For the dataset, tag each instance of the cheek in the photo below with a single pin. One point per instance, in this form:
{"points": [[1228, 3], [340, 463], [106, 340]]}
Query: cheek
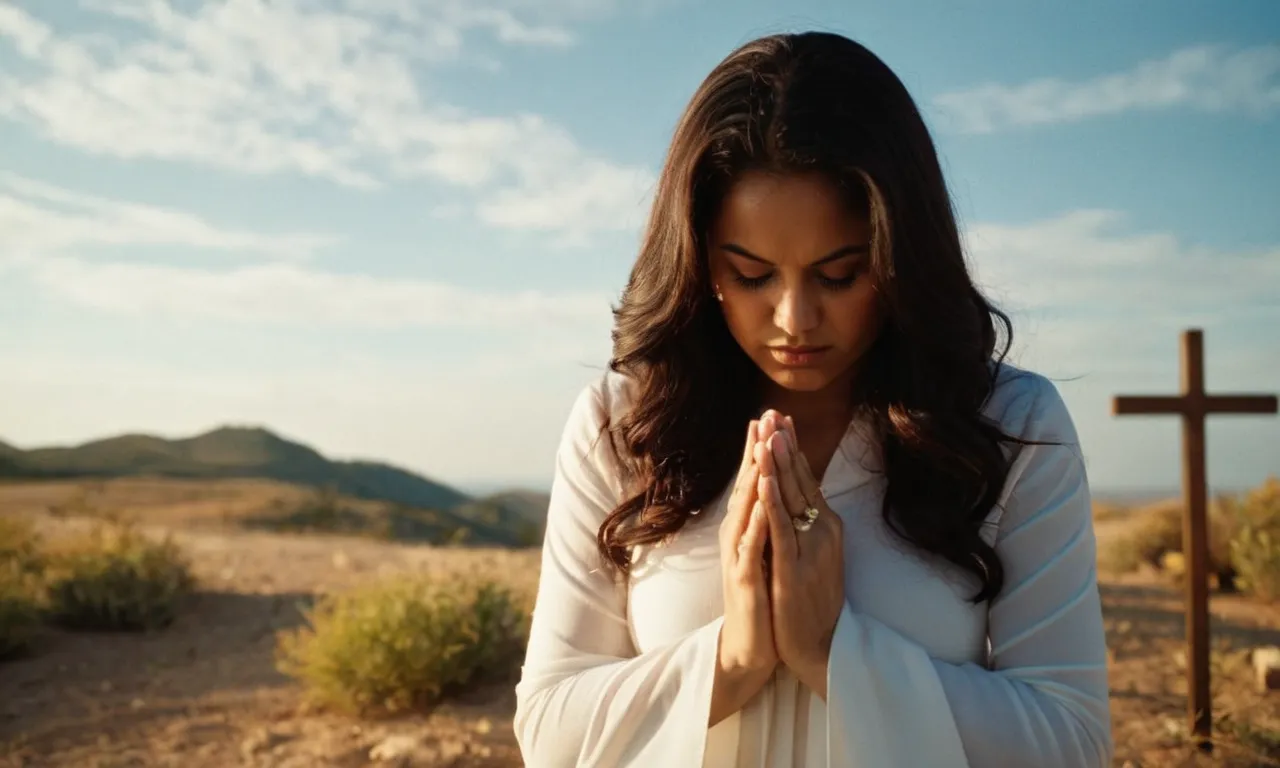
{"points": [[855, 318], [745, 313]]}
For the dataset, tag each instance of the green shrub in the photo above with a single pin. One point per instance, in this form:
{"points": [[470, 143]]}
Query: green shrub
{"points": [[117, 579], [20, 545], [21, 606], [1255, 549], [406, 643], [21, 609], [1158, 533]]}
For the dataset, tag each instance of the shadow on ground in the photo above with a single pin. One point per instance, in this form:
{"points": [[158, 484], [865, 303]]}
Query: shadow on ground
{"points": [[78, 683], [1159, 612]]}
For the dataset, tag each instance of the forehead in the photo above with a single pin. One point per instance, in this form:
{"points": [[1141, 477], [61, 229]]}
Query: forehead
{"points": [[785, 217]]}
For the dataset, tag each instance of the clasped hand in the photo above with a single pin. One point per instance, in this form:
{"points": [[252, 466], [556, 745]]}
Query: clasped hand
{"points": [[781, 602]]}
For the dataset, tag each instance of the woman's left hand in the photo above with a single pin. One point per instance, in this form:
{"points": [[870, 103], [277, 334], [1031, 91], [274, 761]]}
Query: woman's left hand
{"points": [[807, 574]]}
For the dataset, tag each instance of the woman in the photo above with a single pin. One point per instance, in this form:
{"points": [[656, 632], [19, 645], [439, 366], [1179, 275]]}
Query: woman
{"points": [[810, 517]]}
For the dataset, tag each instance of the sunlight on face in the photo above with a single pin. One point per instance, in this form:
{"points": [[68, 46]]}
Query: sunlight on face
{"points": [[791, 260]]}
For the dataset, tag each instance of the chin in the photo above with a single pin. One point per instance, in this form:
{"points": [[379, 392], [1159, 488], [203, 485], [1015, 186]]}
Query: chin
{"points": [[800, 379]]}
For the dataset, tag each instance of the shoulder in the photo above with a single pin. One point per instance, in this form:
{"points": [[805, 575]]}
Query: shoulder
{"points": [[585, 443], [602, 400], [1028, 405]]}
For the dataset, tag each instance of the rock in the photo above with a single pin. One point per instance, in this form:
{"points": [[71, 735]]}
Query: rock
{"points": [[394, 749], [262, 740], [1266, 668], [452, 749]]}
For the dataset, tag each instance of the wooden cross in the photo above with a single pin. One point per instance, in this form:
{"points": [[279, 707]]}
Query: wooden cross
{"points": [[1193, 405]]}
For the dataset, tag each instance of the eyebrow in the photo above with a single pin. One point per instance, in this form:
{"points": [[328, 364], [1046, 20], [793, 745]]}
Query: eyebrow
{"points": [[839, 253]]}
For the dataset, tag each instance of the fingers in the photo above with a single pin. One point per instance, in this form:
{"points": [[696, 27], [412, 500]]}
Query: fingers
{"points": [[781, 532], [751, 546], [744, 499], [764, 458], [748, 449], [788, 474], [744, 487], [808, 484]]}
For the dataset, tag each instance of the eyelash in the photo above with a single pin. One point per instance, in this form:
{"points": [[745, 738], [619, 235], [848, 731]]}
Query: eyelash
{"points": [[752, 283]]}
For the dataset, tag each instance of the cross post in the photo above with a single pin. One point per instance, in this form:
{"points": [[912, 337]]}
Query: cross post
{"points": [[1193, 405]]}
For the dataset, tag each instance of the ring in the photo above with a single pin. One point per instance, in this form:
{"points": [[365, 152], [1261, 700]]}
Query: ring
{"points": [[805, 522]]}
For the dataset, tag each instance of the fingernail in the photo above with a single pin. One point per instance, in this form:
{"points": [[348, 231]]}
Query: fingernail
{"points": [[784, 450]]}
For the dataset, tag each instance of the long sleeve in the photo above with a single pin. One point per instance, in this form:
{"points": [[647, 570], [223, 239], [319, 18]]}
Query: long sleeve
{"points": [[585, 697], [1043, 698]]}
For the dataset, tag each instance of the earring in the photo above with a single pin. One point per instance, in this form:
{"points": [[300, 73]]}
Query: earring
{"points": [[719, 295]]}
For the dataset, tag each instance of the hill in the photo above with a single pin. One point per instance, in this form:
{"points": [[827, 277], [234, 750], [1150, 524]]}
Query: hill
{"points": [[226, 453]]}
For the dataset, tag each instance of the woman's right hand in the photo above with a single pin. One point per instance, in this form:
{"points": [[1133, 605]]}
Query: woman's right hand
{"points": [[747, 655]]}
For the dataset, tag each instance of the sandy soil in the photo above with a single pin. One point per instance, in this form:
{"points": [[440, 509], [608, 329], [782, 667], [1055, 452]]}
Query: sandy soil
{"points": [[205, 692]]}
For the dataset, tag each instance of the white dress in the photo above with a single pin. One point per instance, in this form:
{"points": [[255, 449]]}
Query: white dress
{"points": [[918, 677]]}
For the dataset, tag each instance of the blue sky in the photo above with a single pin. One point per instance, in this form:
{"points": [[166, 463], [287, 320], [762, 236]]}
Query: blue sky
{"points": [[392, 229]]}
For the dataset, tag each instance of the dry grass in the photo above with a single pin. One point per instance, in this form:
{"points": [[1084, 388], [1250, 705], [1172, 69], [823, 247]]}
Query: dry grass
{"points": [[206, 691]]}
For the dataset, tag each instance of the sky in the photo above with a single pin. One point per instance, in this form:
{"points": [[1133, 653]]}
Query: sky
{"points": [[393, 229]]}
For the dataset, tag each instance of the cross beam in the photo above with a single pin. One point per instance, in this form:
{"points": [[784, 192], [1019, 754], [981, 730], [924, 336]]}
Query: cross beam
{"points": [[1194, 405]]}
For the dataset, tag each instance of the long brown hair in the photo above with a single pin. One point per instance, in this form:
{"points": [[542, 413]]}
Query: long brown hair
{"points": [[804, 103]]}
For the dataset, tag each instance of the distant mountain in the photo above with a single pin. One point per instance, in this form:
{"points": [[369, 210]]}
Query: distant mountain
{"points": [[524, 512], [230, 452]]}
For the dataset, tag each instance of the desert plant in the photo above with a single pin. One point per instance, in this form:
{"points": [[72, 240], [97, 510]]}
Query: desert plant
{"points": [[21, 562], [405, 643], [21, 613], [1255, 549], [115, 578], [20, 545], [1158, 533]]}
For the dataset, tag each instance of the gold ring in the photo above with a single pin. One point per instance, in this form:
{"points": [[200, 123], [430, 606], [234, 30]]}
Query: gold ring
{"points": [[805, 522]]}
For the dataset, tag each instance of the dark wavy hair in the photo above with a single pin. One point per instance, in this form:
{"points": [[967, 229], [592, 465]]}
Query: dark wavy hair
{"points": [[801, 103]]}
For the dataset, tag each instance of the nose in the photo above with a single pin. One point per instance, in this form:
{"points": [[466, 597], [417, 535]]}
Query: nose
{"points": [[797, 312]]}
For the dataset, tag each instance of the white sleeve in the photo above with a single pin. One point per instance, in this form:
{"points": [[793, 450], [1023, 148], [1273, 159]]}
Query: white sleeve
{"points": [[1043, 700], [585, 698]]}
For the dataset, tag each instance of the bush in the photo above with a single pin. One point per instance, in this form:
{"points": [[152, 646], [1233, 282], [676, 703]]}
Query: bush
{"points": [[21, 606], [20, 545], [1255, 549], [1159, 533], [117, 579], [21, 614], [406, 643]]}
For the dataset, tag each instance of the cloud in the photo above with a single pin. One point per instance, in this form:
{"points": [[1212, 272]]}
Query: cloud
{"points": [[50, 236], [1083, 261], [1204, 78], [291, 295], [1088, 294], [332, 91], [38, 218]]}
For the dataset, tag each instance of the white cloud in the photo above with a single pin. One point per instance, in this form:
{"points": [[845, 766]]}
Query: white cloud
{"points": [[48, 236], [291, 295], [38, 218], [325, 90], [1080, 261], [1206, 78]]}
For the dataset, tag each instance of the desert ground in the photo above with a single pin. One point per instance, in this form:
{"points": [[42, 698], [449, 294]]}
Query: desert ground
{"points": [[205, 693]]}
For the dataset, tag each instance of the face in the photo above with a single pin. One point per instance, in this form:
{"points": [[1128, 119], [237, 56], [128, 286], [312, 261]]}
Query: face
{"points": [[792, 262]]}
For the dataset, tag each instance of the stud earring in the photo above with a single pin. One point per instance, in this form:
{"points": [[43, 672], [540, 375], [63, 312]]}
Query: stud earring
{"points": [[719, 295]]}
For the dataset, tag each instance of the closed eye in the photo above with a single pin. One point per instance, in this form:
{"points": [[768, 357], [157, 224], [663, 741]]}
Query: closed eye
{"points": [[844, 278]]}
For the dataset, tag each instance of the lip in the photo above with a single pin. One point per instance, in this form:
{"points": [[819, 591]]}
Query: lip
{"points": [[798, 356]]}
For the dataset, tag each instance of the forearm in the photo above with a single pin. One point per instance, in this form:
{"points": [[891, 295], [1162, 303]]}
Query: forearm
{"points": [[732, 687]]}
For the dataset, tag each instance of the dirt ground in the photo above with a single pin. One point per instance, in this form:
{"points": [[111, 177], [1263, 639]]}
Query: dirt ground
{"points": [[204, 693]]}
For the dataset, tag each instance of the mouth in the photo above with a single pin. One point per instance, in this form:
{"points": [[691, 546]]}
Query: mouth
{"points": [[798, 356]]}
